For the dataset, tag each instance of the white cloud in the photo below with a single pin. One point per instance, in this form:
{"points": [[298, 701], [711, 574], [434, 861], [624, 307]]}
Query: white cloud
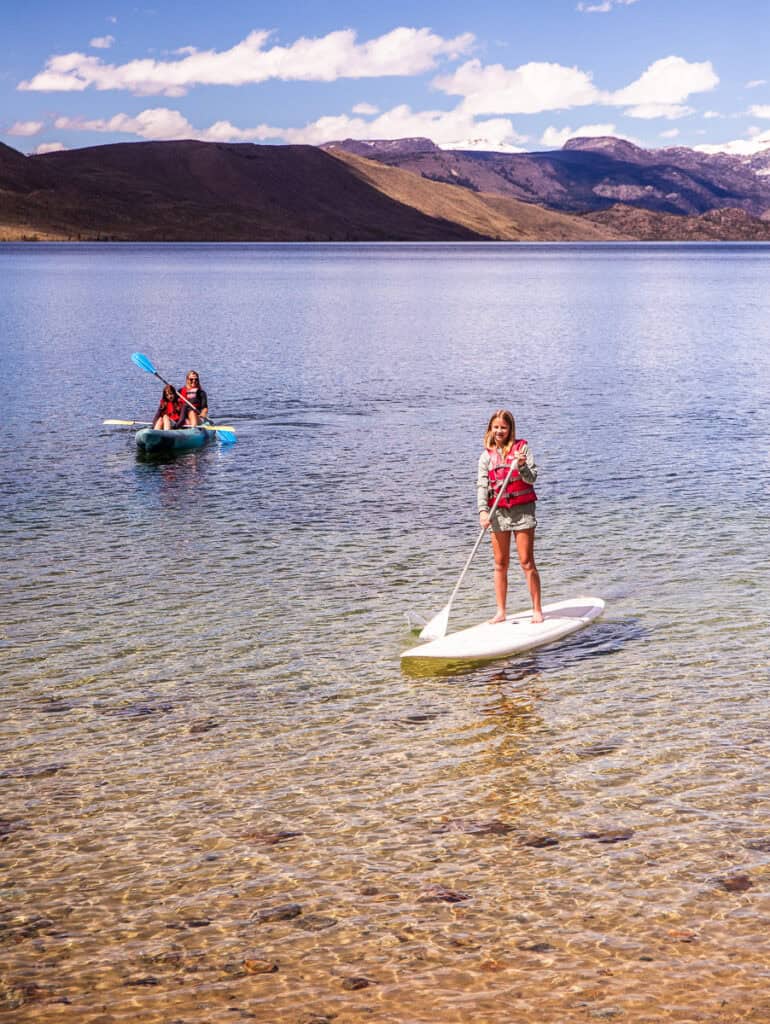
{"points": [[102, 42], [528, 89], [672, 133], [756, 83], [366, 109], [403, 51], [762, 112], [664, 86], [50, 147], [709, 115], [603, 7], [159, 123], [649, 111], [26, 128], [536, 87], [759, 141], [450, 129], [555, 138], [455, 128]]}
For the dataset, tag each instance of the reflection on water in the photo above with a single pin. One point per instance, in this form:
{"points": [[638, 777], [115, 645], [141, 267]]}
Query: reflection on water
{"points": [[223, 797]]}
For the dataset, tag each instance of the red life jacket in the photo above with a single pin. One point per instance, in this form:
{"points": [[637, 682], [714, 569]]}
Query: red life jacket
{"points": [[170, 407], [193, 396], [517, 491]]}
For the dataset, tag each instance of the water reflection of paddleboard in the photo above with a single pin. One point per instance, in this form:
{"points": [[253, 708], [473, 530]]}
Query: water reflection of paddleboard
{"points": [[496, 640]]}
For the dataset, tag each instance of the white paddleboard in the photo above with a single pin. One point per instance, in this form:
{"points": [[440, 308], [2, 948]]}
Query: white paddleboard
{"points": [[516, 634]]}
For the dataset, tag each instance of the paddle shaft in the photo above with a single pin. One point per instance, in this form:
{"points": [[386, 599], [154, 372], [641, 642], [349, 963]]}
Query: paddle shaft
{"points": [[144, 423]]}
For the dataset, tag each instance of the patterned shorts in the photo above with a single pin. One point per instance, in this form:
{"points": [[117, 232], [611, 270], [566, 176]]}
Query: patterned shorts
{"points": [[520, 517]]}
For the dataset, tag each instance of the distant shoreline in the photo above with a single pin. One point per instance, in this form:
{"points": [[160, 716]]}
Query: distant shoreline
{"points": [[191, 191]]}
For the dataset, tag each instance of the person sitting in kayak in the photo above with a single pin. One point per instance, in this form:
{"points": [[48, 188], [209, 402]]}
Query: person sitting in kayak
{"points": [[198, 399], [515, 512], [169, 410]]}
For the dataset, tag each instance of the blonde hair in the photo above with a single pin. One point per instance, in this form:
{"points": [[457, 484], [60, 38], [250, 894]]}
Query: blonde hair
{"points": [[489, 440]]}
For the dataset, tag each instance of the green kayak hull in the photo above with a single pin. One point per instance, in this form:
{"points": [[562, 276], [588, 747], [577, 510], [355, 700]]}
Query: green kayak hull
{"points": [[183, 440]]}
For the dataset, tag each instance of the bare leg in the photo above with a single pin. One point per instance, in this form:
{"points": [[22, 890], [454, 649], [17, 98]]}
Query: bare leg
{"points": [[525, 547], [501, 549]]}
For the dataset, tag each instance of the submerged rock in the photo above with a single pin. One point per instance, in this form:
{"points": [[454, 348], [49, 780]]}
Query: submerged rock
{"points": [[141, 709], [440, 894], [10, 825], [256, 965], [316, 922], [13, 997], [612, 835], [736, 883], [597, 749], [204, 725], [759, 844], [538, 842], [33, 771], [271, 838], [469, 826], [535, 947], [284, 912], [353, 984], [56, 707]]}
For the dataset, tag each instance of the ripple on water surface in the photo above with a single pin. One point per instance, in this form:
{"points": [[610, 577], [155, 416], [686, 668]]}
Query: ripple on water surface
{"points": [[222, 795]]}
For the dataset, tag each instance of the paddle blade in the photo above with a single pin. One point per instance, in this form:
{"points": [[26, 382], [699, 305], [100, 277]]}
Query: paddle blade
{"points": [[143, 362], [415, 621], [226, 436], [437, 626]]}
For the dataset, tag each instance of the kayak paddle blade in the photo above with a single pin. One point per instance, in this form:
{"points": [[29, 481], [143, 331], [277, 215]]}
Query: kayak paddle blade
{"points": [[437, 626], [225, 436], [141, 360]]}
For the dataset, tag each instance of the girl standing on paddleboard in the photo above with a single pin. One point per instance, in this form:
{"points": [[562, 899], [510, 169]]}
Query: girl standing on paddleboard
{"points": [[515, 512]]}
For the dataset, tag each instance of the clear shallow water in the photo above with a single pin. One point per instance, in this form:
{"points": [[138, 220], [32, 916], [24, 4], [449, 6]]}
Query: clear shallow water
{"points": [[203, 715]]}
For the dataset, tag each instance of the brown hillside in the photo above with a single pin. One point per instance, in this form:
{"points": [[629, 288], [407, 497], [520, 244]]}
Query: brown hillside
{"points": [[496, 217], [197, 191], [715, 225]]}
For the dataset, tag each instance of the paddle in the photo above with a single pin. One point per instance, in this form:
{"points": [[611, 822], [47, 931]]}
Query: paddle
{"points": [[226, 435], [437, 626], [144, 423]]}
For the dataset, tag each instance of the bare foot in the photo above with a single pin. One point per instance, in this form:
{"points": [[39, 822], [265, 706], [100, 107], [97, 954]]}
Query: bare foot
{"points": [[537, 617], [500, 617]]}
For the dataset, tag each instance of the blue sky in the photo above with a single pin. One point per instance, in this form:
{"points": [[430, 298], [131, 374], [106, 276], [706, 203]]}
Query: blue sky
{"points": [[513, 75]]}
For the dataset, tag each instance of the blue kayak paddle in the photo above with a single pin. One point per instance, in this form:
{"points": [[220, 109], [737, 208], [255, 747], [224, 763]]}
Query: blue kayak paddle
{"points": [[225, 435]]}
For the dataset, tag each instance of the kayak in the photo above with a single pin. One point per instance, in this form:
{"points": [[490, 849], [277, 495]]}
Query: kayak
{"points": [[163, 441], [518, 633]]}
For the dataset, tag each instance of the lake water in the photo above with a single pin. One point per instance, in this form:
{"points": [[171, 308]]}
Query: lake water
{"points": [[203, 715]]}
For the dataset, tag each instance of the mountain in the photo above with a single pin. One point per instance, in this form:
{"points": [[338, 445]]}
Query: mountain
{"points": [[712, 226], [202, 191], [191, 191], [498, 218], [593, 174]]}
